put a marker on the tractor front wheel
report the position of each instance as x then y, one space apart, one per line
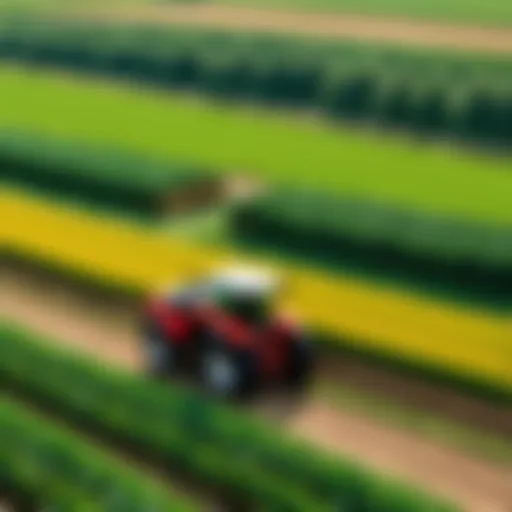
228 374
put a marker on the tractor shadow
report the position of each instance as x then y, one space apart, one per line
278 406
275 405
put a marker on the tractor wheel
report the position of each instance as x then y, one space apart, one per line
160 355
228 374
300 365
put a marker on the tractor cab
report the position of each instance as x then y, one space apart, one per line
245 294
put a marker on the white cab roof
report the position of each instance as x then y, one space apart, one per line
248 280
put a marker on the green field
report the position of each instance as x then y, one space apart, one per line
492 12
475 12
271 145
34 5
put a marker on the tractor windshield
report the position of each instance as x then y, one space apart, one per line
252 308
249 308
247 296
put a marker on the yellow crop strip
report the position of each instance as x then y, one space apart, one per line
444 336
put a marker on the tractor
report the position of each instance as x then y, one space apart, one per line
223 331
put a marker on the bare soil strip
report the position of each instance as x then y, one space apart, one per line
417 393
357 27
5 506
109 332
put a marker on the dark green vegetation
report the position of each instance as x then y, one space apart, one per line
257 142
475 259
105 178
456 258
428 93
218 447
45 467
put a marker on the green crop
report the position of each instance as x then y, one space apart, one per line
108 178
213 443
47 467
382 236
272 146
468 94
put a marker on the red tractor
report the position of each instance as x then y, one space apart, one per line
223 329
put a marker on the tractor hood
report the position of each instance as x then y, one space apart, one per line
246 334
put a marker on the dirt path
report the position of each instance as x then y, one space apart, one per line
5 506
365 28
110 333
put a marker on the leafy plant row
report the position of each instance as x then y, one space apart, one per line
167 427
45 467
104 177
341 230
429 92
214 444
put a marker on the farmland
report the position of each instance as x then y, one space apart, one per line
133 159
166 125
109 336
124 251
492 13
359 27
424 94
51 482
497 12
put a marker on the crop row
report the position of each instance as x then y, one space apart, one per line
103 177
45 467
267 145
427 92
417 245
341 230
473 348
212 443
170 428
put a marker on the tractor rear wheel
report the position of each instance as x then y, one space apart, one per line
160 355
228 373
300 365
